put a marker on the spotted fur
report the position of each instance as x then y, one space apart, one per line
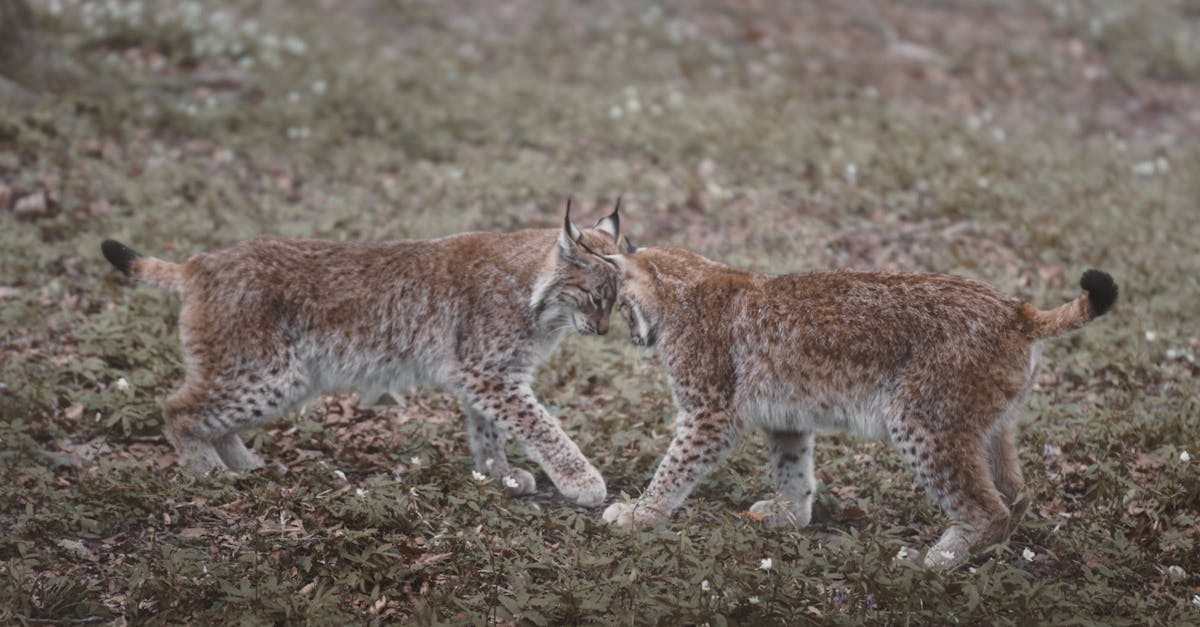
935 364
272 322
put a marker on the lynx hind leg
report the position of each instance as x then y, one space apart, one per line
204 418
512 406
190 430
954 469
235 454
1006 473
487 441
700 442
791 469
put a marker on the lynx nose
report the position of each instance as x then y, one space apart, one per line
601 326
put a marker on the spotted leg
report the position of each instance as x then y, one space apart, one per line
700 442
791 468
487 446
513 407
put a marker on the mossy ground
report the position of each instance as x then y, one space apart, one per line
1019 143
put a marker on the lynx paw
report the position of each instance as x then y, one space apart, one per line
777 513
619 514
519 482
952 550
199 458
244 461
588 490
630 515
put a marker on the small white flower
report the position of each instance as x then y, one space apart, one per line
615 112
488 463
510 483
1184 457
1196 599
902 554
359 492
766 564
753 600
414 460
122 384
319 86
1028 555
947 554
478 476
1144 168
852 174
971 569
705 586
1176 572
339 474
1151 336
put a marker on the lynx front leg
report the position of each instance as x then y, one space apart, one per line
700 442
487 446
514 408
791 467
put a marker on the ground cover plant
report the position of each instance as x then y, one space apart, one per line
1014 142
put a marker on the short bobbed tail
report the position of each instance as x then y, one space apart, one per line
1099 295
136 265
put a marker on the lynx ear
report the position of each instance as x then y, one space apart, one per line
611 223
568 238
628 248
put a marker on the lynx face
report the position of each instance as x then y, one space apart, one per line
581 288
637 301
640 315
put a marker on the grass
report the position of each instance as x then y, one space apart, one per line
395 119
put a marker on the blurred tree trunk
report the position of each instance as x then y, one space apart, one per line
30 65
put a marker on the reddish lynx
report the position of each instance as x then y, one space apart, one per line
934 363
270 322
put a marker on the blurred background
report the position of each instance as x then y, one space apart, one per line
1019 142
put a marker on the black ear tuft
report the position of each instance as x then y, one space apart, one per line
629 248
611 223
1101 291
119 255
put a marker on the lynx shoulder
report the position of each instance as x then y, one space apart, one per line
935 364
270 322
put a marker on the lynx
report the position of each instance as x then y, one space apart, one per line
270 322
935 364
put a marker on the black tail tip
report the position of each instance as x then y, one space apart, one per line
1101 291
119 255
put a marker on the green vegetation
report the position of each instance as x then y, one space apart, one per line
781 138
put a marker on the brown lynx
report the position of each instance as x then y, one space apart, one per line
271 322
936 364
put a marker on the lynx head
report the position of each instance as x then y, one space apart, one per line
638 300
651 282
578 283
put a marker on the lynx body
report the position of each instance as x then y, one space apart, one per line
271 322
935 364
